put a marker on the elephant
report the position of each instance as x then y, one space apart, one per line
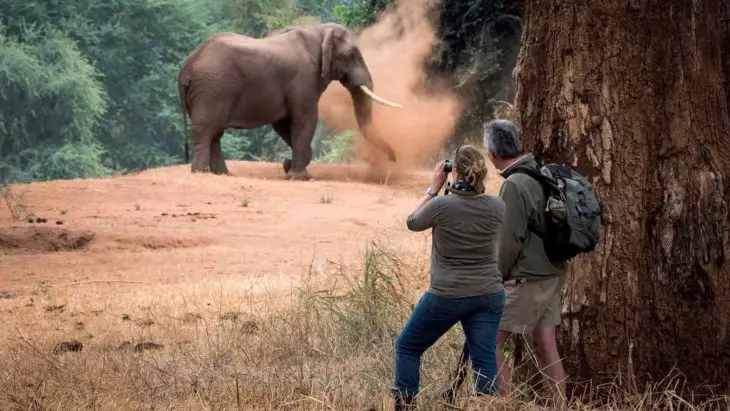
234 81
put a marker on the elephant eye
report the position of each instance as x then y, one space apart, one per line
350 52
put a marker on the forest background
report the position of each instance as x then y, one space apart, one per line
88 88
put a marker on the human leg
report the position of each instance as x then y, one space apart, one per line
430 319
546 346
480 329
548 358
504 372
521 313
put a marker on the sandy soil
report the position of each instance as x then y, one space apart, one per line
167 225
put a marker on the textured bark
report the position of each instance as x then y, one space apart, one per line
635 95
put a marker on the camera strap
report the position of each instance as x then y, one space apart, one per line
462 188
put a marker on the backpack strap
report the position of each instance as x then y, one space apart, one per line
548 185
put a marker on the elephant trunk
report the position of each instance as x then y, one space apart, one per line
363 102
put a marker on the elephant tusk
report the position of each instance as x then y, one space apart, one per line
378 98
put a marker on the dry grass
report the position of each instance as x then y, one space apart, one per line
231 345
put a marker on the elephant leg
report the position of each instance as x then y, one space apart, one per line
202 136
217 161
208 116
302 132
283 129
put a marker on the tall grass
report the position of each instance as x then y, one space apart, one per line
326 345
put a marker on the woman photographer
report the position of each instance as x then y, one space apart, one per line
465 282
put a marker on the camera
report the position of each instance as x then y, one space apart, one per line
448 166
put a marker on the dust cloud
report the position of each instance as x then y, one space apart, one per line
394 48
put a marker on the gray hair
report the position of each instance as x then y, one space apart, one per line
503 139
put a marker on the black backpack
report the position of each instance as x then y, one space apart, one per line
573 214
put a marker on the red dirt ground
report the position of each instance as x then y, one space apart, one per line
167 225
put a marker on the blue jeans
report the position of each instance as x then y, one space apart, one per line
432 317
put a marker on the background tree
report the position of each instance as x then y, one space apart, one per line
635 95
478 45
135 47
51 100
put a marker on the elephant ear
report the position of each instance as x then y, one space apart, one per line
327 46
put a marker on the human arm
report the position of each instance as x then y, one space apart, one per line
426 212
425 215
514 227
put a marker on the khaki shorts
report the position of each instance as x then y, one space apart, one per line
531 303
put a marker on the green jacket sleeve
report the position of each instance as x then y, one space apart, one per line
426 217
514 228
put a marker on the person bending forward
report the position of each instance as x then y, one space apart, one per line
465 282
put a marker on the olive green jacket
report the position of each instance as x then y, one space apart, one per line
521 253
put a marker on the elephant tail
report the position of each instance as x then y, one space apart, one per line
183 91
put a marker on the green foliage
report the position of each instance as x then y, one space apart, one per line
359 13
338 148
139 50
72 160
262 144
324 9
258 17
51 100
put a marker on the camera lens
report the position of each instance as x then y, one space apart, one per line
447 166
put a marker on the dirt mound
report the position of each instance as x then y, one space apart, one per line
43 240
32 240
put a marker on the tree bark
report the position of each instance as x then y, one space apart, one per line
635 95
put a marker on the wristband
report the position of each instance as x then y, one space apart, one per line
431 193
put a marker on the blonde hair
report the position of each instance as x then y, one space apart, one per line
472 165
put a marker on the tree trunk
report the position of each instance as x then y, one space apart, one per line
635 94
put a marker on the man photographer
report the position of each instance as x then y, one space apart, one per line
532 283
465 283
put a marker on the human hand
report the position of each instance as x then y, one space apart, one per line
439 177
